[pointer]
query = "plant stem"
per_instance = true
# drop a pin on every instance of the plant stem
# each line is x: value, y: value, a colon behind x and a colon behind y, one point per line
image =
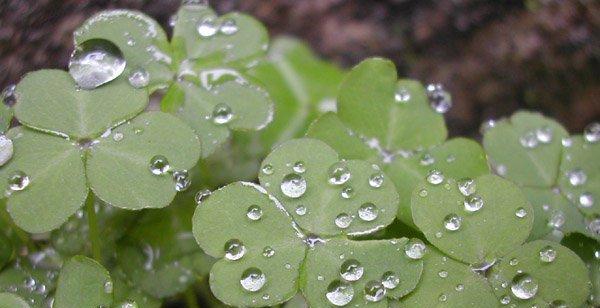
x: 190, y: 298
x: 94, y: 235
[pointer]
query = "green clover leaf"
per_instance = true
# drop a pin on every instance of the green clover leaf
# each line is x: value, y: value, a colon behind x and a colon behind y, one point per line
x: 263, y: 242
x: 83, y: 282
x: 589, y: 251
x: 9, y: 300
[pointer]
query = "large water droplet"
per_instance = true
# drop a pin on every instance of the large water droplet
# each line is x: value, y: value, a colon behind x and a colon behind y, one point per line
x: 576, y: 177
x: 529, y: 140
x: 229, y: 27
x: 374, y: 291
x: 182, y: 180
x: 207, y: 28
x: 452, y: 222
x: 523, y: 286
x: 18, y: 180
x: 435, y: 177
x: 339, y: 293
x: 254, y: 212
x: 343, y: 220
x: 351, y: 270
x: 466, y: 186
x: 234, y: 250
x: 253, y: 279
x: 159, y: 165
x: 96, y: 62
x: 591, y: 133
x: 415, y: 249
x: 293, y: 185
x: 376, y: 180
x: 439, y: 99
x: 338, y: 173
x: 402, y: 95
x: 544, y: 134
x: 473, y: 203
x: 6, y: 149
x: 222, y: 114
x: 139, y: 78
x: 390, y: 280
x: 368, y: 211
x: 547, y: 254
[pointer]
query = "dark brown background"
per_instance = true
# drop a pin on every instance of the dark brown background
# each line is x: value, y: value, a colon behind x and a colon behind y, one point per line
x: 494, y: 56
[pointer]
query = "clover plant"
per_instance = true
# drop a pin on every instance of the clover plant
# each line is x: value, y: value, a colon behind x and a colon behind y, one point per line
x: 212, y: 168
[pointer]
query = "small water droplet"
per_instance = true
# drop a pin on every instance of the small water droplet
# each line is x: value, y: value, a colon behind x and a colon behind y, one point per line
x: 521, y: 212
x: 566, y: 142
x: 439, y: 99
x: 301, y: 210
x: 108, y: 287
x: 201, y: 195
x: 547, y: 254
x: 368, y: 211
x: 268, y: 252
x: 487, y: 125
x: 376, y: 180
x: 556, y: 220
x: 374, y: 291
x: 338, y: 173
x: 118, y: 136
x: 443, y: 297
x: 594, y: 226
x: 293, y: 185
x: 505, y: 300
x: 452, y: 222
x: 343, y: 220
x: 586, y: 200
x: 339, y: 293
x: 139, y: 78
x: 576, y: 177
x: 159, y: 165
x: 347, y: 192
x: 443, y: 274
x: 254, y: 212
x: 423, y: 192
x: 529, y: 140
x: 267, y: 169
x: 402, y: 95
x: 544, y: 134
x: 18, y: 180
x: 8, y: 96
x: 229, y: 27
x: 351, y: 270
x: 207, y: 28
x: 182, y: 180
x: 459, y: 287
x: 435, y: 177
x: 473, y: 203
x: 299, y: 167
x: 466, y: 187
x: 96, y: 62
x: 524, y: 286
x: 253, y: 279
x: 415, y: 249
x: 6, y: 149
x: 513, y: 262
x: 234, y: 250
x: 221, y: 114
x: 427, y: 159
x: 390, y: 280
x: 591, y: 133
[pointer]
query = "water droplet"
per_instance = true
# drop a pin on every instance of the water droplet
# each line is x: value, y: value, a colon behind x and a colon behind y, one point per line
x: 505, y: 300
x: 207, y: 28
x: 547, y: 254
x: 466, y: 187
x: 376, y: 180
x: 577, y: 177
x: 427, y: 159
x: 182, y: 180
x: 402, y: 95
x: 586, y: 200
x: 443, y: 297
x: 128, y: 304
x: 368, y: 212
x: 591, y: 133
x: 234, y: 250
x: 267, y: 169
x: 299, y: 167
x: 95, y: 63
x: 347, y: 192
x: 435, y: 177
x: 513, y: 262
x: 254, y: 212
x: 374, y: 291
x: 439, y: 99
x: 487, y: 125
x: 268, y: 252
x: 452, y: 222
x: 423, y: 192
x: 415, y: 249
x: 343, y: 220
x: 221, y: 114
x: 18, y: 180
x: 253, y: 279
x: 521, y: 212
x: 301, y: 210
x: 390, y: 280
x: 201, y: 195
x: 339, y: 293
x: 459, y: 287
x: 118, y: 136
x: 6, y: 149
x: 339, y: 173
x: 159, y: 165
x: 544, y: 134
x: 108, y: 287
x: 566, y: 142
x: 8, y: 96
x: 351, y: 270
x: 473, y: 203
x: 139, y: 78
x: 556, y: 220
x: 529, y: 140
x: 594, y: 226
x: 443, y: 274
x: 523, y: 286
x: 293, y: 185
x: 229, y: 27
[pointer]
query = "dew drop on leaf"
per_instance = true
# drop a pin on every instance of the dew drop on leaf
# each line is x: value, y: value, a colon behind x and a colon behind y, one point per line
x: 182, y: 180
x: 343, y: 220
x: 18, y: 180
x: 505, y: 300
x: 466, y: 186
x: 221, y: 114
x: 443, y: 297
x: 301, y: 210
x: 293, y: 185
x: 8, y: 95
x: 415, y: 249
x: 159, y: 165
x: 594, y: 226
x: 108, y: 287
x: 423, y: 192
x: 529, y: 140
x: 253, y: 279
x: 139, y: 78
x: 95, y: 63
x: 547, y: 254
x: 299, y: 167
x: 374, y: 291
x: 234, y: 250
x: 591, y: 133
x: 390, y: 280
x: 339, y: 293
x: 368, y: 211
x: 544, y: 134
x: 435, y: 177
x: 128, y: 304
x: 586, y: 200
x: 201, y: 195
x: 452, y: 222
x: 459, y: 287
x: 523, y: 286
x: 347, y: 192
x: 376, y: 180
x: 268, y: 252
x: 254, y: 212
x: 473, y: 203
x: 118, y: 136
x: 338, y: 174
x: 207, y: 28
x: 427, y: 159
x: 443, y: 274
x: 267, y: 169
x: 576, y: 177
x: 6, y: 149
x: 521, y: 212
x: 439, y: 99
x: 351, y: 270
x: 401, y: 95
x: 487, y: 125
x: 229, y: 27
x: 556, y: 220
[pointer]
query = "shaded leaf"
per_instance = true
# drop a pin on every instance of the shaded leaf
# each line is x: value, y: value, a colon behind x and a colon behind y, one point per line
x: 83, y: 282
x: 6, y: 250
x: 589, y: 252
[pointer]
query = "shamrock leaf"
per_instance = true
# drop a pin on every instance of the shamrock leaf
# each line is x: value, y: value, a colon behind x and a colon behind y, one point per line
x: 262, y: 243
x: 49, y: 100
x: 83, y: 283
x: 9, y: 300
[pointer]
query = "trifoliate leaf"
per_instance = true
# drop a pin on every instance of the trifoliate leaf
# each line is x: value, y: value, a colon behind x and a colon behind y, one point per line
x: 6, y: 250
x: 49, y: 100
x: 137, y: 165
x: 45, y: 180
x: 579, y: 176
x: 448, y: 283
x: 234, y: 38
x: 9, y: 300
x: 476, y: 220
x: 589, y: 252
x: 327, y: 196
x: 83, y: 282
x: 541, y: 273
x: 140, y: 39
x: 6, y: 115
x: 341, y: 272
x: 526, y: 148
x: 260, y: 250
x: 369, y: 103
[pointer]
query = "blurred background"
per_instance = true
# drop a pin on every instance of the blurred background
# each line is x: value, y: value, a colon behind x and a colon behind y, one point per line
x: 493, y: 56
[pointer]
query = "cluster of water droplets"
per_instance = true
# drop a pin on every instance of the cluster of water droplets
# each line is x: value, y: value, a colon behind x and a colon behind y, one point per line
x: 209, y: 27
x: 539, y: 136
x: 159, y: 166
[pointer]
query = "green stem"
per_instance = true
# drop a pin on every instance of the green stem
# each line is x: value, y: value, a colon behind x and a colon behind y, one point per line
x: 190, y: 298
x: 94, y: 234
